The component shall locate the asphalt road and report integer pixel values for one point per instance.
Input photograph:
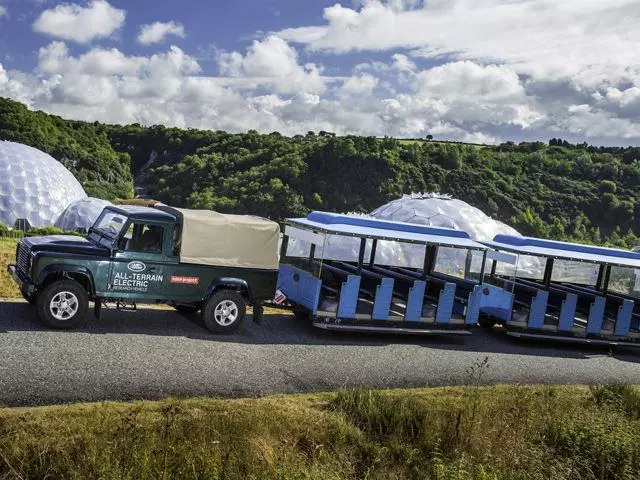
(154, 353)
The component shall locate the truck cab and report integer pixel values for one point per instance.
(136, 254)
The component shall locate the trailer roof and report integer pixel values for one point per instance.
(355, 226)
(565, 250)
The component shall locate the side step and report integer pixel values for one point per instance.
(559, 338)
(126, 307)
(401, 330)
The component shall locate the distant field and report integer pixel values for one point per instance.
(470, 433)
(419, 140)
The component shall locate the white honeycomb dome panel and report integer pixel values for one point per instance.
(442, 211)
(34, 186)
(437, 210)
(81, 214)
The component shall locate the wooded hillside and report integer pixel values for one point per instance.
(562, 191)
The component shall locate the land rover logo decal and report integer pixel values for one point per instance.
(137, 266)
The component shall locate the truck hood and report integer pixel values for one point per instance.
(65, 244)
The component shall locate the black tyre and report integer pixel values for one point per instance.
(62, 304)
(186, 308)
(224, 311)
(29, 298)
(487, 322)
(302, 315)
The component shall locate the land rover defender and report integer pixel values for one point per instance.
(193, 260)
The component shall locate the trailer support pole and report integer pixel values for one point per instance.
(600, 277)
(372, 257)
(548, 269)
(312, 253)
(607, 276)
(429, 260)
(284, 246)
(363, 245)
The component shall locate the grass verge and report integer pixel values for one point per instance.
(8, 287)
(502, 432)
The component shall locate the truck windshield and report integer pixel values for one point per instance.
(110, 223)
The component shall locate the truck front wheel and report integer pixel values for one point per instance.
(62, 304)
(224, 311)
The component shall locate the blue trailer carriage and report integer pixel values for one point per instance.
(567, 291)
(361, 274)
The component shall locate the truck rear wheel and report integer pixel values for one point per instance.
(224, 311)
(62, 304)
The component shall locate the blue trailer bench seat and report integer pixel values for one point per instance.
(441, 303)
(419, 307)
(590, 313)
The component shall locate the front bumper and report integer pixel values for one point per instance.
(25, 285)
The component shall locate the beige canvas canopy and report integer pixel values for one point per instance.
(212, 238)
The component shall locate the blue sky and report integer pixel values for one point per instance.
(224, 25)
(483, 71)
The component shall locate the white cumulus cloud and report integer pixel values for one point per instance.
(273, 61)
(158, 31)
(360, 84)
(70, 21)
(456, 69)
(588, 41)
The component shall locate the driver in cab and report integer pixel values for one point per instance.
(150, 240)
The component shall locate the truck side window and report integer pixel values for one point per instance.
(141, 237)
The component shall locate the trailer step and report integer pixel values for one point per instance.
(583, 340)
(401, 330)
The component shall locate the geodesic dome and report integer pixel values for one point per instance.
(81, 214)
(437, 210)
(443, 211)
(34, 186)
(424, 209)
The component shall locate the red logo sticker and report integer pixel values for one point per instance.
(185, 280)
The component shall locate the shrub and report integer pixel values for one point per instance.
(42, 231)
(599, 448)
(381, 415)
(622, 397)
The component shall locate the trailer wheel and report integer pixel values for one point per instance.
(62, 304)
(302, 315)
(487, 322)
(224, 311)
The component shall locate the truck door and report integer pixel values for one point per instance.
(138, 267)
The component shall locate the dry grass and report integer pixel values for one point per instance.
(8, 287)
(503, 432)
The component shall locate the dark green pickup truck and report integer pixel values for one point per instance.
(190, 259)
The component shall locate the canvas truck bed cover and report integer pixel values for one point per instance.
(212, 238)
